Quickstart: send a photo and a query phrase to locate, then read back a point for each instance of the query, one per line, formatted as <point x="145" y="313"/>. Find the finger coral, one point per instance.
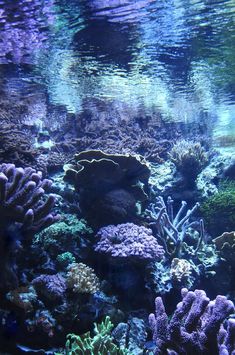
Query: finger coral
<point x="21" y="192"/>
<point x="194" y="326"/>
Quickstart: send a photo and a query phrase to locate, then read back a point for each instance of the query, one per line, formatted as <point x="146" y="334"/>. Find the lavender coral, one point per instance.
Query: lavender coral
<point x="128" y="241"/>
<point x="194" y="326"/>
<point x="52" y="287"/>
<point x="21" y="202"/>
<point x="24" y="211"/>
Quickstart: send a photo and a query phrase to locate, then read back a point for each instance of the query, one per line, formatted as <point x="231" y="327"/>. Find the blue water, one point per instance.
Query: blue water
<point x="172" y="57"/>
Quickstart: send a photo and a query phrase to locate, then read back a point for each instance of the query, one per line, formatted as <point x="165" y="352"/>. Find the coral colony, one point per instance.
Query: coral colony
<point x="60" y="276"/>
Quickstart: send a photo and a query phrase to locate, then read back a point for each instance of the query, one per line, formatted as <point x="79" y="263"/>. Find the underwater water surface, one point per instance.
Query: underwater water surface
<point x="117" y="177"/>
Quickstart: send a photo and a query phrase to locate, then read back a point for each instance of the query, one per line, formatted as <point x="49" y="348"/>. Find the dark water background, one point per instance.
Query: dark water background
<point x="175" y="58"/>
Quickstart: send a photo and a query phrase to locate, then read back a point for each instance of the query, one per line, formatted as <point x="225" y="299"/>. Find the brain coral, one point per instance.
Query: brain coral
<point x="128" y="241"/>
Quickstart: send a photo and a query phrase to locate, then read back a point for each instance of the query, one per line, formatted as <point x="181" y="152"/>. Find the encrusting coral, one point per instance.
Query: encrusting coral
<point x="82" y="279"/>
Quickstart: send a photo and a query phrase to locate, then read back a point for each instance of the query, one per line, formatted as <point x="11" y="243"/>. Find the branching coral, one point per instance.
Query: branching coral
<point x="194" y="326"/>
<point x="101" y="343"/>
<point x="129" y="241"/>
<point x="24" y="211"/>
<point x="82" y="279"/>
<point x="172" y="229"/>
<point x="21" y="202"/>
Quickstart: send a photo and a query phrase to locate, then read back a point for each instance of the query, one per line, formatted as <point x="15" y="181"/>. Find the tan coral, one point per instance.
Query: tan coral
<point x="82" y="279"/>
<point x="180" y="269"/>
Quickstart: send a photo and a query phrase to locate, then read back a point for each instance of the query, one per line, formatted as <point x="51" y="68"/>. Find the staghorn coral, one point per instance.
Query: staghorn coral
<point x="194" y="326"/>
<point x="226" y="338"/>
<point x="189" y="158"/>
<point x="180" y="269"/>
<point x="128" y="241"/>
<point x="82" y="279"/>
<point x="225" y="244"/>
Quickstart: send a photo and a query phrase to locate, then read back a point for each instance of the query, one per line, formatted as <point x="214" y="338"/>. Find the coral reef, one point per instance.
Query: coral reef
<point x="82" y="279"/>
<point x="16" y="146"/>
<point x="194" y="326"/>
<point x="23" y="297"/>
<point x="128" y="241"/>
<point x="215" y="172"/>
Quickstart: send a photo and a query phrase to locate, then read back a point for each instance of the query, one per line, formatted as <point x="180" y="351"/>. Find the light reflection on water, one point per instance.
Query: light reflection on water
<point x="176" y="57"/>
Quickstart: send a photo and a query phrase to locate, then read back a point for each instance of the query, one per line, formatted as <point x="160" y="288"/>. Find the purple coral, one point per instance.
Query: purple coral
<point x="128" y="241"/>
<point x="52" y="287"/>
<point x="24" y="211"/>
<point x="21" y="192"/>
<point x="194" y="326"/>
